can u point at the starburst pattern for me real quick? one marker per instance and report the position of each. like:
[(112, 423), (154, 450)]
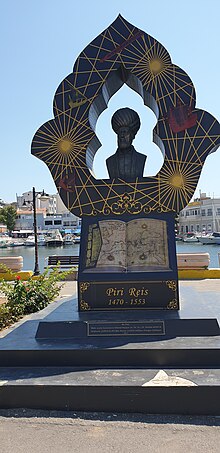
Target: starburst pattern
[(67, 144)]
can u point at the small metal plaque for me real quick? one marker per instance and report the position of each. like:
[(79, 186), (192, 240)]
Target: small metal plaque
[(128, 328)]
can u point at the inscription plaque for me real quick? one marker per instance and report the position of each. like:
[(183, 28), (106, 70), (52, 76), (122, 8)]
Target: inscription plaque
[(129, 328), (133, 295)]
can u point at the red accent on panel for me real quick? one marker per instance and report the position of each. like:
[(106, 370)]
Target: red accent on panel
[(122, 46), (181, 118), (67, 183)]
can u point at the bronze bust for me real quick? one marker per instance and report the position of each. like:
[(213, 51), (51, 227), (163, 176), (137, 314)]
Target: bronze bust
[(126, 163)]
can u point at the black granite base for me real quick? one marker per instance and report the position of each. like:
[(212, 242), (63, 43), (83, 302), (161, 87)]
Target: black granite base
[(114, 355), (128, 328), (203, 400), (110, 373)]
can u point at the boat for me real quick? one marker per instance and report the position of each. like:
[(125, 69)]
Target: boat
[(54, 239), (68, 239), (76, 239), (16, 243), (212, 238), (30, 241), (190, 237), (3, 243), (41, 240)]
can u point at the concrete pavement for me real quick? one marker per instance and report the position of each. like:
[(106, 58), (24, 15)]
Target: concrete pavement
[(23, 431)]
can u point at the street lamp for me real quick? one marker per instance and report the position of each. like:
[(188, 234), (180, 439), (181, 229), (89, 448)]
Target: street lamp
[(36, 266)]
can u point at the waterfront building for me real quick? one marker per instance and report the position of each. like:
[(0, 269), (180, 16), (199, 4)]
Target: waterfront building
[(25, 219), (3, 228), (51, 213), (42, 199), (200, 216)]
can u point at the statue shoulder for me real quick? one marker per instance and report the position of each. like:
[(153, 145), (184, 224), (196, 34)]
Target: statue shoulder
[(141, 157), (112, 166), (110, 159)]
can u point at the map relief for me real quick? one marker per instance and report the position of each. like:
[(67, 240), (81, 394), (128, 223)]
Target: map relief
[(134, 246)]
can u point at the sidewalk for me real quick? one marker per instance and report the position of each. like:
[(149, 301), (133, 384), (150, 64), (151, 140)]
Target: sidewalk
[(24, 431)]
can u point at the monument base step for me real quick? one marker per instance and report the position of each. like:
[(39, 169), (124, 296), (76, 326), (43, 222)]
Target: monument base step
[(132, 329), (151, 391), (115, 373), (108, 355)]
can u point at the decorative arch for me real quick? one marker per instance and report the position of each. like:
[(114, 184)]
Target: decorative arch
[(112, 84), (186, 135)]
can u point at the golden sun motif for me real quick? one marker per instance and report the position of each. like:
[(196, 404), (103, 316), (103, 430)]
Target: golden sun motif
[(177, 181), (65, 146), (156, 65)]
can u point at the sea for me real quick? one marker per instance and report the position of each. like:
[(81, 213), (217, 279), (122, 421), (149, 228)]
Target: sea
[(28, 253)]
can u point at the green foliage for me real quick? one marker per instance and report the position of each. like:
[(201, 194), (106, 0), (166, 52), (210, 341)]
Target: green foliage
[(28, 297), (8, 216), (6, 317)]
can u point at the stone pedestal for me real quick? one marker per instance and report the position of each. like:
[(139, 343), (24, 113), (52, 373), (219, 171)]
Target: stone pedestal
[(128, 262)]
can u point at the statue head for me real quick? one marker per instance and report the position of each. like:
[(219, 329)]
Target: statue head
[(125, 123)]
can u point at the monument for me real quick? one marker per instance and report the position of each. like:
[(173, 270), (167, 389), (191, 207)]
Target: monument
[(103, 352), (127, 253)]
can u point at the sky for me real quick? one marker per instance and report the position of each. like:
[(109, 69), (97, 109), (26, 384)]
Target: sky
[(40, 41)]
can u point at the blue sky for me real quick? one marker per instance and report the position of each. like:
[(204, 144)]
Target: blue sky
[(40, 41)]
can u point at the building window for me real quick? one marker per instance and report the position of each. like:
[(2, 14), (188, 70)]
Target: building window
[(203, 227), (192, 228), (187, 229), (48, 222), (182, 229), (187, 213), (203, 212), (209, 227), (209, 212), (57, 222), (197, 228), (218, 211)]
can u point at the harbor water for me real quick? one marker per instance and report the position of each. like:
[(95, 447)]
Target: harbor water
[(28, 254), (43, 252)]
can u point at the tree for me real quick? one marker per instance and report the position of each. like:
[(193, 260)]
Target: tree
[(8, 216)]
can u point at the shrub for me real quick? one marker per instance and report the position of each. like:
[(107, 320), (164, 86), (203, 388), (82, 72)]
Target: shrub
[(30, 296), (6, 317)]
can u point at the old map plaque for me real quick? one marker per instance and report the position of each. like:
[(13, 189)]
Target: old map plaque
[(119, 246)]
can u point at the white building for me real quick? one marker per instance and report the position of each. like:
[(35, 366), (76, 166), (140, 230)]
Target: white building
[(201, 215), (25, 219), (51, 212), (43, 201)]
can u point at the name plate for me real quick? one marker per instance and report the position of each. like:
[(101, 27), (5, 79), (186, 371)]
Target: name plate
[(110, 329)]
